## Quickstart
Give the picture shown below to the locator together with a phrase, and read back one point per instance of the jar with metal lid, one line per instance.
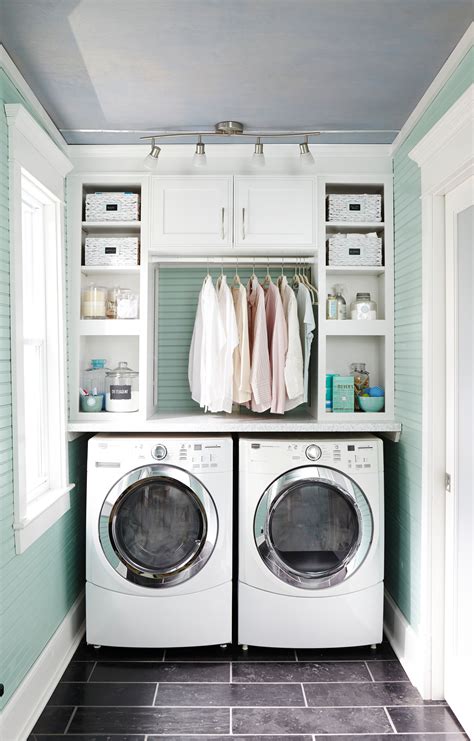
(93, 302)
(363, 307)
(121, 385)
(361, 381)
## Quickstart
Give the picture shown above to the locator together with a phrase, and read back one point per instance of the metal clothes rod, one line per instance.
(275, 261)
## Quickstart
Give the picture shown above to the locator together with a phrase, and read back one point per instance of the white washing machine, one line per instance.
(159, 540)
(311, 541)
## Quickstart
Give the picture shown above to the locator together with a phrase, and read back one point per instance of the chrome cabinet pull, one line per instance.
(243, 223)
(222, 223)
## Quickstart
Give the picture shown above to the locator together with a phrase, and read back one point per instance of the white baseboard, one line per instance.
(27, 703)
(408, 646)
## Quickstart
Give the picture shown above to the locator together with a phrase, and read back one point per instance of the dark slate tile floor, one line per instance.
(211, 694)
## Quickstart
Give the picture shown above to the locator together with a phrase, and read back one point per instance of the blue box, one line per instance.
(343, 394)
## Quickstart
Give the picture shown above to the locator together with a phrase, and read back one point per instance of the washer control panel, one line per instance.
(313, 452)
(358, 455)
(205, 454)
(159, 452)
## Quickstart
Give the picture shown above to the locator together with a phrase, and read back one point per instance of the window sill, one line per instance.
(42, 514)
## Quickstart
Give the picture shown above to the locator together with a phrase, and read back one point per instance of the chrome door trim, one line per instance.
(278, 490)
(193, 563)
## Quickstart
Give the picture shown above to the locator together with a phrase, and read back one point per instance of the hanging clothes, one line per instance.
(307, 327)
(260, 373)
(277, 346)
(207, 347)
(294, 380)
(242, 391)
(222, 399)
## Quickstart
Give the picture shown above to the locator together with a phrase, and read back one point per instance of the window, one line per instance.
(38, 329)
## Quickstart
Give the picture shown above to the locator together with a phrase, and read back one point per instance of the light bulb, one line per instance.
(200, 159)
(258, 157)
(306, 158)
(151, 160)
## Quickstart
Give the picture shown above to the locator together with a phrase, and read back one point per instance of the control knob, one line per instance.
(159, 452)
(313, 452)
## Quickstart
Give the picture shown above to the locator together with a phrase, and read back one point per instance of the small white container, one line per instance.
(363, 307)
(121, 386)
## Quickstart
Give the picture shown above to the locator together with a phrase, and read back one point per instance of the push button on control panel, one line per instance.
(159, 452)
(313, 452)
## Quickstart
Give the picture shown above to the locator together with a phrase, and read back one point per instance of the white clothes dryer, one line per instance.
(311, 541)
(159, 540)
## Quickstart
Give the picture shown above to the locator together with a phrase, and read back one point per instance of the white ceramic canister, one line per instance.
(121, 385)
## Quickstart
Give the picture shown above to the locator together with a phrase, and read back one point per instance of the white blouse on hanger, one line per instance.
(260, 373)
(307, 327)
(207, 349)
(294, 356)
(222, 400)
(241, 384)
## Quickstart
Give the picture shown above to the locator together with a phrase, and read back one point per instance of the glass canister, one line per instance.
(111, 310)
(93, 302)
(93, 378)
(361, 381)
(127, 304)
(121, 385)
(363, 307)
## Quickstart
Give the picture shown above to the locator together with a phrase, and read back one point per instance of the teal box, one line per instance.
(343, 394)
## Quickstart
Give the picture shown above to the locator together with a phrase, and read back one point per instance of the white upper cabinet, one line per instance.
(191, 212)
(274, 211)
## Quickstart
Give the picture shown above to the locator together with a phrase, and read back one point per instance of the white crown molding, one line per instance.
(17, 79)
(22, 122)
(453, 61)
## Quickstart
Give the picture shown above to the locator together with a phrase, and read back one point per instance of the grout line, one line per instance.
(370, 673)
(164, 650)
(156, 692)
(265, 707)
(390, 720)
(230, 722)
(244, 681)
(230, 676)
(70, 720)
(92, 671)
(304, 695)
(296, 654)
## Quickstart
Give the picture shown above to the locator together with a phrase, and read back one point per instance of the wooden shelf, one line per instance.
(109, 327)
(110, 226)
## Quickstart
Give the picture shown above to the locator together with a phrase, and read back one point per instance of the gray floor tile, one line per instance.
(427, 719)
(215, 653)
(229, 695)
(129, 671)
(387, 671)
(151, 720)
(97, 693)
(53, 720)
(310, 720)
(231, 738)
(338, 671)
(357, 653)
(86, 652)
(397, 737)
(87, 737)
(78, 671)
(362, 693)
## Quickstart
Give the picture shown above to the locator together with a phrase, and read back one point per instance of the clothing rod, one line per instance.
(235, 261)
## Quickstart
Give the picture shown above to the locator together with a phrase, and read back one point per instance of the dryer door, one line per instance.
(158, 526)
(313, 527)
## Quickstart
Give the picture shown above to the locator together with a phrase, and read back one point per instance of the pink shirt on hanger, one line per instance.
(277, 346)
(260, 373)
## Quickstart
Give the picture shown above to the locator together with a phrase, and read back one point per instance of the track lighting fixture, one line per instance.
(151, 160)
(306, 158)
(258, 158)
(200, 159)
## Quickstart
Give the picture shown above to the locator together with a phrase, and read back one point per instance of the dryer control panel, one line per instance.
(349, 455)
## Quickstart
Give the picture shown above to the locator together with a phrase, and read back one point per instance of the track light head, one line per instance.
(258, 157)
(151, 160)
(306, 158)
(200, 159)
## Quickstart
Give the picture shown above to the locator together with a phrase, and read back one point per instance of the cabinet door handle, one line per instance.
(243, 223)
(222, 223)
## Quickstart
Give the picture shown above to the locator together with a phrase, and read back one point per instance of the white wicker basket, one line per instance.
(355, 249)
(354, 207)
(111, 251)
(112, 206)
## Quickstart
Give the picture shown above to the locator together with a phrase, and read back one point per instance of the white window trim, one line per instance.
(445, 159)
(32, 149)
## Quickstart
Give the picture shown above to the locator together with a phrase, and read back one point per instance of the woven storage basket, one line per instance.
(111, 251)
(355, 249)
(354, 207)
(112, 206)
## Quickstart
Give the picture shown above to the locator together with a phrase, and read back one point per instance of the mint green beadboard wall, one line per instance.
(403, 459)
(37, 588)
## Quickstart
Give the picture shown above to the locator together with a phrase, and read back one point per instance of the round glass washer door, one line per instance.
(313, 527)
(158, 526)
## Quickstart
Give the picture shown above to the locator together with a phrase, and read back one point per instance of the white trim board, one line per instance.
(17, 79)
(27, 703)
(452, 62)
(404, 641)
(445, 157)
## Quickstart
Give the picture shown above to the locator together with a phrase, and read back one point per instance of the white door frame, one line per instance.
(445, 158)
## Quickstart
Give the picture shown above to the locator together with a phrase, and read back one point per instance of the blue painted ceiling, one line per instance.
(272, 64)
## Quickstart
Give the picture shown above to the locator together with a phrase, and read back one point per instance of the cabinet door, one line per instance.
(273, 211)
(191, 212)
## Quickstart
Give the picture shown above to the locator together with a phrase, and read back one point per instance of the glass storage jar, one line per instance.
(121, 386)
(363, 307)
(361, 381)
(93, 302)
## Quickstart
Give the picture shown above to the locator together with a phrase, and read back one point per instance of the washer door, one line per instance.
(313, 527)
(158, 526)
